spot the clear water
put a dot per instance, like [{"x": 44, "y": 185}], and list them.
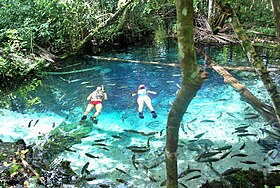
[{"x": 64, "y": 99}]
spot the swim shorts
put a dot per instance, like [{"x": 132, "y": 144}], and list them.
[{"x": 95, "y": 102}]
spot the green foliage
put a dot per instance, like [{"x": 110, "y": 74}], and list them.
[{"x": 21, "y": 96}]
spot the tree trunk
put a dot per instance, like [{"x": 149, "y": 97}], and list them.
[
  {"x": 192, "y": 80},
  {"x": 264, "y": 110},
  {"x": 97, "y": 29},
  {"x": 260, "y": 68},
  {"x": 210, "y": 8},
  {"x": 276, "y": 10}
]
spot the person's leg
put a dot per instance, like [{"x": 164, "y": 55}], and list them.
[
  {"x": 140, "y": 102},
  {"x": 148, "y": 102},
  {"x": 88, "y": 109},
  {"x": 98, "y": 108}
]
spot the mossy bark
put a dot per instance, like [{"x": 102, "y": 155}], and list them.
[
  {"x": 255, "y": 61},
  {"x": 276, "y": 10},
  {"x": 191, "y": 83}
]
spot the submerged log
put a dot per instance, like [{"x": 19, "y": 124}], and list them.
[{"x": 265, "y": 110}]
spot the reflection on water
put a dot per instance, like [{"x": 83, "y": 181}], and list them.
[{"x": 211, "y": 118}]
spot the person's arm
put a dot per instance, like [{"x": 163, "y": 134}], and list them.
[
  {"x": 152, "y": 92},
  {"x": 105, "y": 97},
  {"x": 89, "y": 97},
  {"x": 134, "y": 93}
]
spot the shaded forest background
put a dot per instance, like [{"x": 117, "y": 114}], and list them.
[{"x": 36, "y": 33}]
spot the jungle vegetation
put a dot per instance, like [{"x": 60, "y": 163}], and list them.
[{"x": 36, "y": 33}]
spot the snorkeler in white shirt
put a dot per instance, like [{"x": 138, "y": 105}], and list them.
[{"x": 144, "y": 98}]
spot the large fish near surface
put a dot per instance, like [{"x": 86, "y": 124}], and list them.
[
  {"x": 187, "y": 171},
  {"x": 242, "y": 147},
  {"x": 239, "y": 155},
  {"x": 122, "y": 171},
  {"x": 225, "y": 155},
  {"x": 199, "y": 135},
  {"x": 224, "y": 148},
  {"x": 84, "y": 169},
  {"x": 230, "y": 171},
  {"x": 193, "y": 177},
  {"x": 248, "y": 162},
  {"x": 206, "y": 154},
  {"x": 133, "y": 159}
]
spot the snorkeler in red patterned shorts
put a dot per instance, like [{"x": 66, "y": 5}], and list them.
[{"x": 95, "y": 98}]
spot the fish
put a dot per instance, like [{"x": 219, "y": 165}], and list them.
[
  {"x": 252, "y": 116},
  {"x": 183, "y": 185},
  {"x": 91, "y": 156},
  {"x": 242, "y": 147},
  {"x": 84, "y": 168},
  {"x": 29, "y": 124},
  {"x": 246, "y": 108},
  {"x": 133, "y": 159},
  {"x": 151, "y": 177},
  {"x": 183, "y": 128},
  {"x": 242, "y": 127},
  {"x": 193, "y": 177},
  {"x": 221, "y": 113},
  {"x": 105, "y": 148},
  {"x": 207, "y": 121},
  {"x": 140, "y": 150},
  {"x": 224, "y": 148},
  {"x": 199, "y": 135},
  {"x": 231, "y": 114},
  {"x": 122, "y": 171},
  {"x": 240, "y": 131},
  {"x": 98, "y": 144},
  {"x": 136, "y": 147},
  {"x": 149, "y": 134},
  {"x": 239, "y": 155},
  {"x": 208, "y": 160},
  {"x": 275, "y": 164},
  {"x": 121, "y": 181},
  {"x": 246, "y": 134},
  {"x": 100, "y": 140},
  {"x": 160, "y": 133},
  {"x": 225, "y": 155},
  {"x": 156, "y": 164},
  {"x": 123, "y": 118},
  {"x": 116, "y": 136},
  {"x": 36, "y": 122},
  {"x": 104, "y": 185},
  {"x": 68, "y": 149},
  {"x": 89, "y": 178},
  {"x": 187, "y": 171},
  {"x": 133, "y": 131},
  {"x": 206, "y": 154},
  {"x": 192, "y": 120},
  {"x": 248, "y": 162},
  {"x": 189, "y": 128},
  {"x": 230, "y": 171}
]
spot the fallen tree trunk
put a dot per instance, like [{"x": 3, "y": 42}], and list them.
[
  {"x": 265, "y": 110},
  {"x": 259, "y": 66}
]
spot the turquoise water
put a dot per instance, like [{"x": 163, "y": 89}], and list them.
[{"x": 216, "y": 111}]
